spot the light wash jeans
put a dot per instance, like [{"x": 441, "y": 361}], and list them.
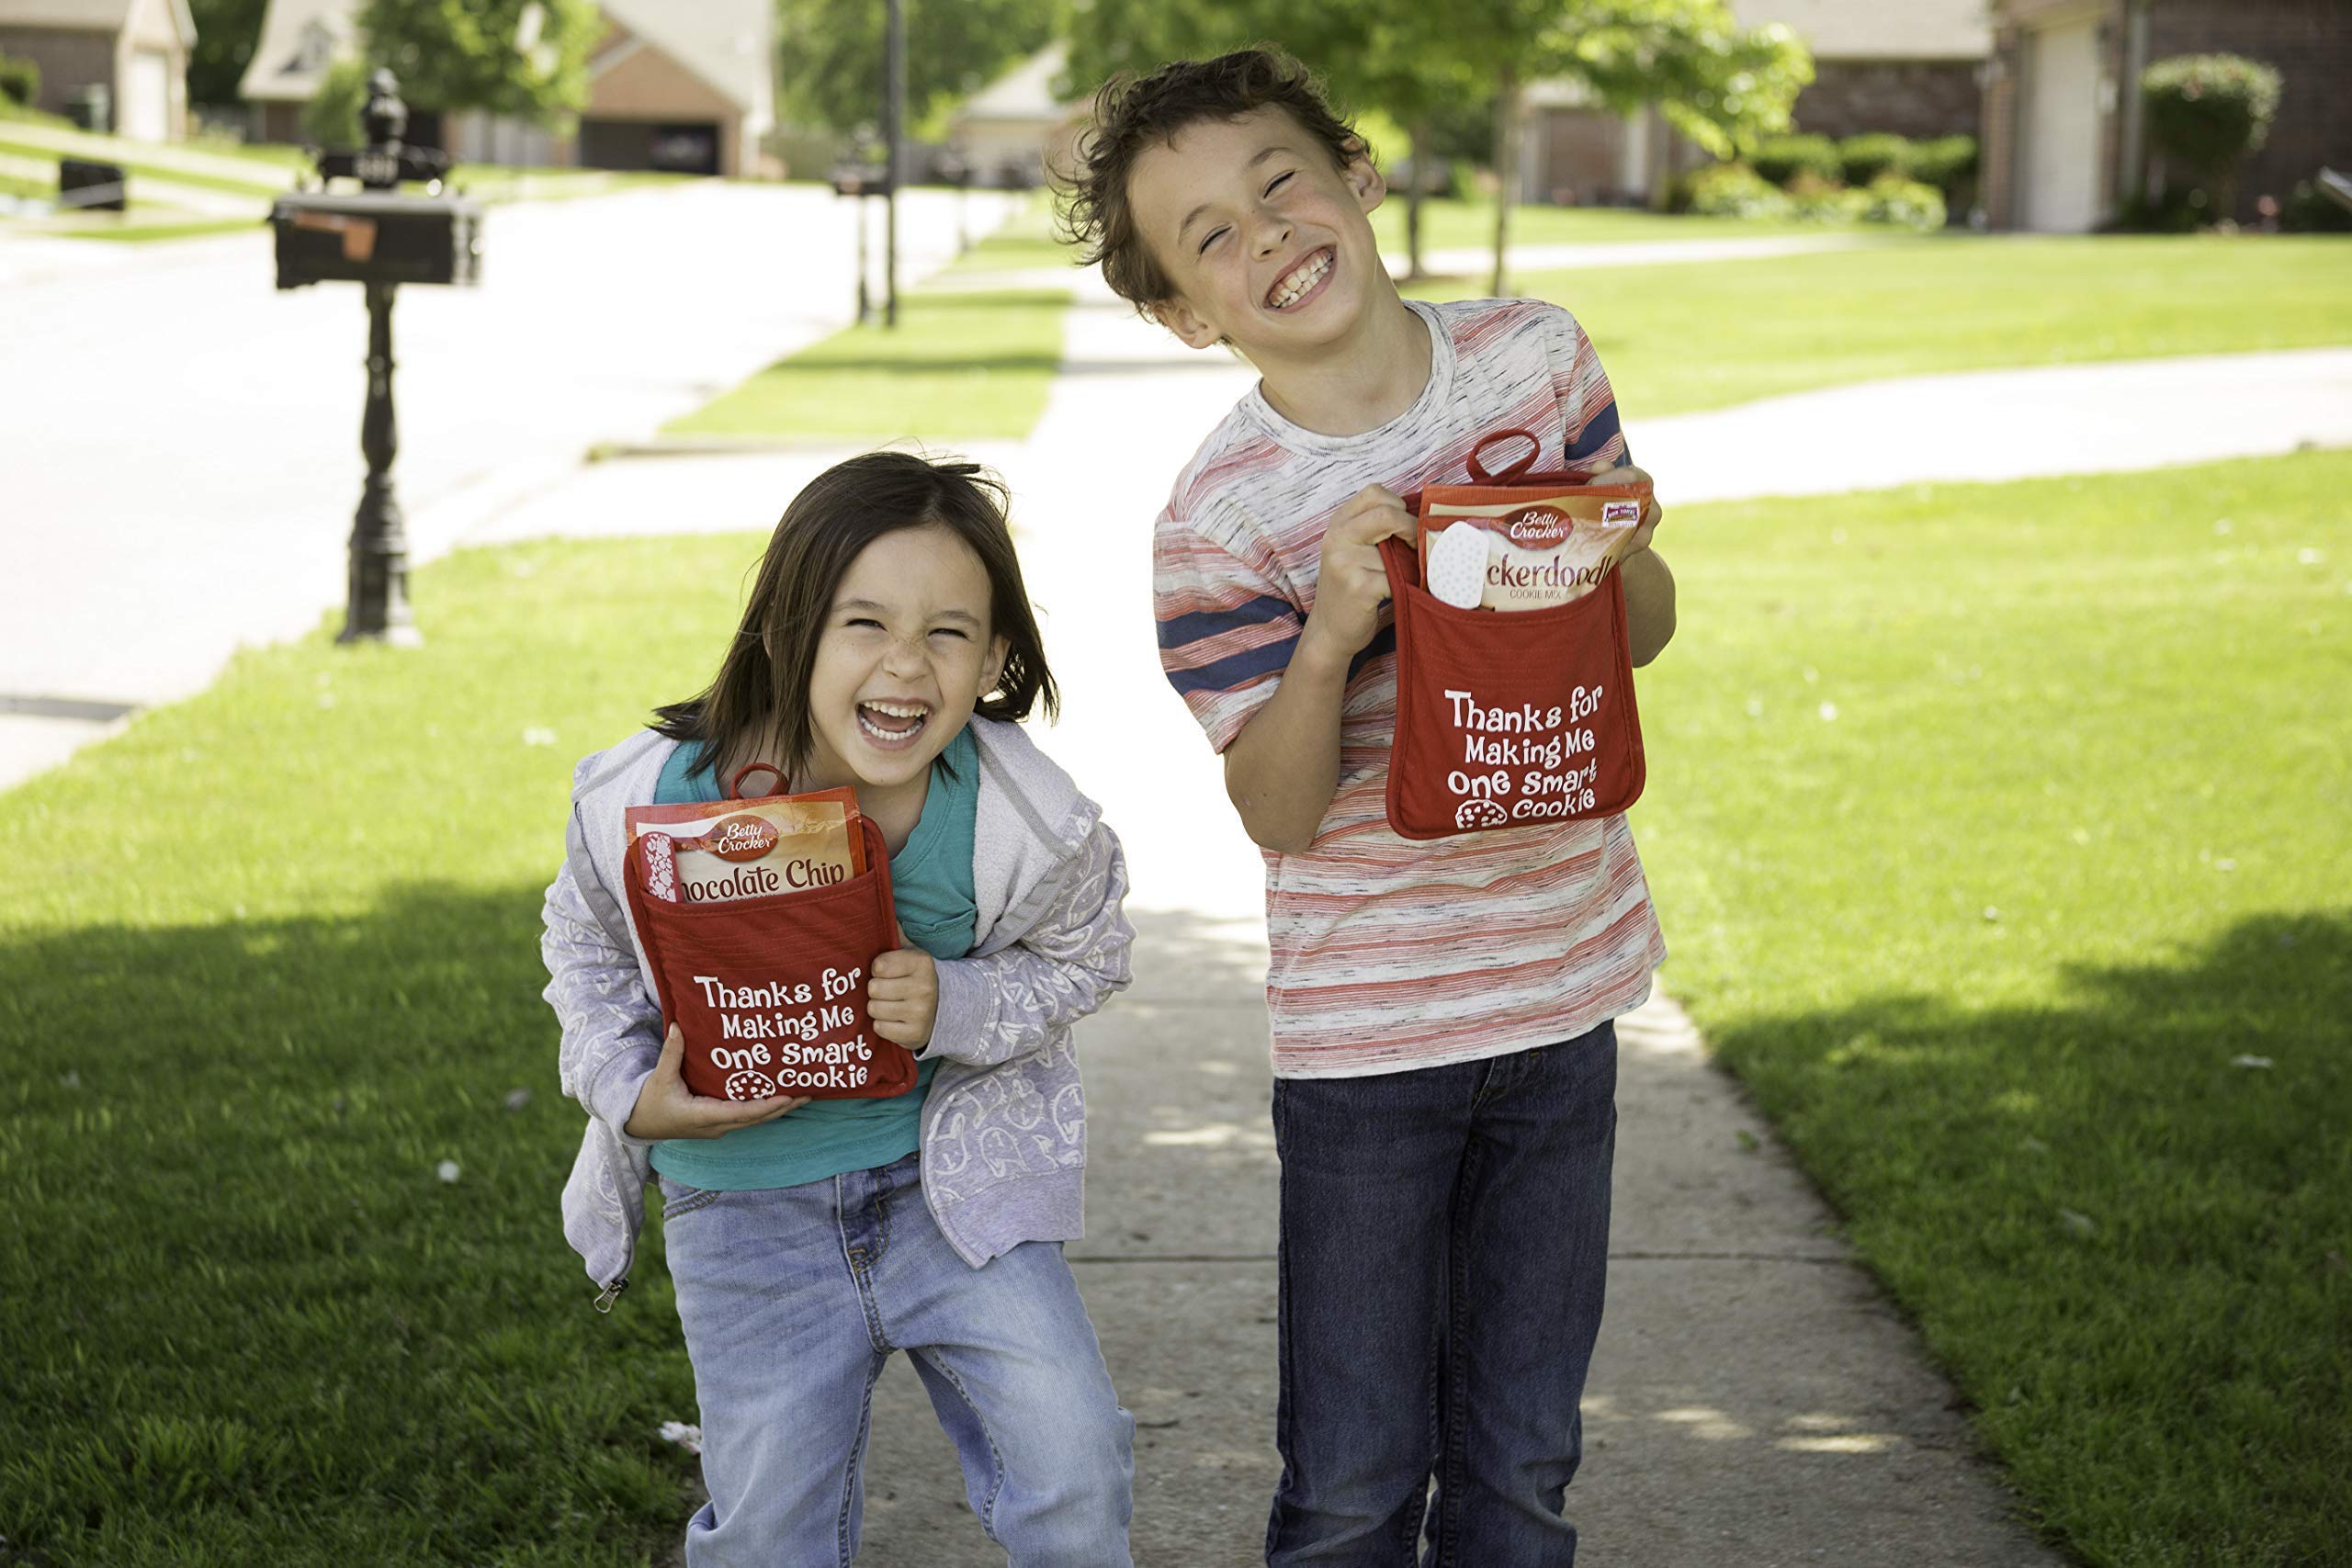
[{"x": 791, "y": 1300}]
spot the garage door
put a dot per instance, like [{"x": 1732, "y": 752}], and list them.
[
  {"x": 2061, "y": 127},
  {"x": 680, "y": 148},
  {"x": 147, "y": 98}
]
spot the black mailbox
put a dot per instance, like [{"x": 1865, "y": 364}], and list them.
[
  {"x": 90, "y": 184},
  {"x": 376, "y": 238}
]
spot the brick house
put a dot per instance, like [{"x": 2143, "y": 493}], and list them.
[
  {"x": 2065, "y": 140},
  {"x": 1907, "y": 66},
  {"x": 688, "y": 88},
  {"x": 136, "y": 49}
]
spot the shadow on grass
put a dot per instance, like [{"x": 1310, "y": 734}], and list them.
[
  {"x": 248, "y": 1319},
  {"x": 2124, "y": 1221}
]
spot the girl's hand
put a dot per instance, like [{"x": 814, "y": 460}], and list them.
[
  {"x": 666, "y": 1107},
  {"x": 902, "y": 996}
]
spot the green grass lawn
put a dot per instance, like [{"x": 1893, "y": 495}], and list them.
[
  {"x": 1708, "y": 333},
  {"x": 273, "y": 960},
  {"x": 1448, "y": 224},
  {"x": 1989, "y": 826},
  {"x": 963, "y": 362},
  {"x": 139, "y": 171}
]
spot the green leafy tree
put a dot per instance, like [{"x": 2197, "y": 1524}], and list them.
[
  {"x": 1380, "y": 61},
  {"x": 832, "y": 53},
  {"x": 1719, "y": 83},
  {"x": 526, "y": 58},
  {"x": 226, "y": 32}
]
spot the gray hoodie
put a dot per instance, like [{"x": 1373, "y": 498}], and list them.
[{"x": 1004, "y": 1123}]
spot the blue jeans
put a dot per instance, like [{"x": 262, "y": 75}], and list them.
[
  {"x": 791, "y": 1300},
  {"x": 1444, "y": 1239}
]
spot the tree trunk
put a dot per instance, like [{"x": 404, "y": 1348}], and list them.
[
  {"x": 1418, "y": 184},
  {"x": 1506, "y": 173}
]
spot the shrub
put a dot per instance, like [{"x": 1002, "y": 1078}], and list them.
[
  {"x": 2209, "y": 110},
  {"x": 1780, "y": 159},
  {"x": 1893, "y": 199},
  {"x": 1863, "y": 159},
  {"x": 1946, "y": 163},
  {"x": 1734, "y": 190},
  {"x": 1825, "y": 201},
  {"x": 19, "y": 81}
]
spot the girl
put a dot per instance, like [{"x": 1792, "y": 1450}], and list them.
[{"x": 887, "y": 646}]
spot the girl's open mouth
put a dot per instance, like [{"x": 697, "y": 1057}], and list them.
[
  {"x": 1303, "y": 282},
  {"x": 892, "y": 726}
]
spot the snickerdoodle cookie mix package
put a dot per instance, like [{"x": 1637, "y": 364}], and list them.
[{"x": 1514, "y": 673}]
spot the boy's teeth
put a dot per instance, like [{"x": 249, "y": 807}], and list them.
[{"x": 1301, "y": 279}]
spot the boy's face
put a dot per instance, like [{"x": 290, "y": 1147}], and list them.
[{"x": 1264, "y": 239}]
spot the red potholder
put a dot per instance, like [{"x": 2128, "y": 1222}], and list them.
[
  {"x": 1509, "y": 719},
  {"x": 769, "y": 993}
]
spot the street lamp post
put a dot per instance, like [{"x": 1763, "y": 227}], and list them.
[{"x": 894, "y": 99}]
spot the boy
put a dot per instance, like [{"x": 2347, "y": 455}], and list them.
[{"x": 1446, "y": 1067}]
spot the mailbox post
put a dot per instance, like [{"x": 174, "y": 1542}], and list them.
[{"x": 378, "y": 239}]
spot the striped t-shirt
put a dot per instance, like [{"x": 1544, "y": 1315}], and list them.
[{"x": 1389, "y": 953}]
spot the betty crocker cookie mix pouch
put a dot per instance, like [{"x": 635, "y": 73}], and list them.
[{"x": 1514, "y": 674}]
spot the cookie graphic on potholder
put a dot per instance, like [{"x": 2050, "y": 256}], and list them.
[
  {"x": 1456, "y": 569},
  {"x": 661, "y": 867},
  {"x": 1479, "y": 814},
  {"x": 749, "y": 1085}
]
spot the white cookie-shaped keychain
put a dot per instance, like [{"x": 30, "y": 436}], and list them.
[{"x": 1456, "y": 570}]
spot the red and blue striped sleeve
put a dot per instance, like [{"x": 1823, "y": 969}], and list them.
[
  {"x": 1593, "y": 439},
  {"x": 1226, "y": 629}
]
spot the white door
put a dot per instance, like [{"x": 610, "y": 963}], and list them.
[
  {"x": 146, "y": 114},
  {"x": 2061, "y": 127}
]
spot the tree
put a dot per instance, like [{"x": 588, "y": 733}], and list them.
[
  {"x": 524, "y": 57},
  {"x": 226, "y": 32},
  {"x": 832, "y": 56},
  {"x": 1376, "y": 57},
  {"x": 2207, "y": 112},
  {"x": 1717, "y": 82}
]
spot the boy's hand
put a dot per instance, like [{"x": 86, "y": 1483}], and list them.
[
  {"x": 1353, "y": 584},
  {"x": 902, "y": 996},
  {"x": 666, "y": 1107},
  {"x": 1626, "y": 474}
]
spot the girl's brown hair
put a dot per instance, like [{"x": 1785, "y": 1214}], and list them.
[
  {"x": 761, "y": 694},
  {"x": 1133, "y": 114}
]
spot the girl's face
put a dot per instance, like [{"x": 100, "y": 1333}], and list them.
[{"x": 905, "y": 653}]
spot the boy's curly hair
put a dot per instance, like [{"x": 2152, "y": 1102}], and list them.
[{"x": 1132, "y": 113}]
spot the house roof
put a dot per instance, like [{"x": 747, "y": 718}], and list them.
[
  {"x": 729, "y": 43},
  {"x": 300, "y": 39},
  {"x": 110, "y": 16},
  {"x": 1025, "y": 93},
  {"x": 1880, "y": 29},
  {"x": 726, "y": 43}
]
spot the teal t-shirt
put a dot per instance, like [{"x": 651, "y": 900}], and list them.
[{"x": 931, "y": 882}]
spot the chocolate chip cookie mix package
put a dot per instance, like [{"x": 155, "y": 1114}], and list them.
[{"x": 761, "y": 920}]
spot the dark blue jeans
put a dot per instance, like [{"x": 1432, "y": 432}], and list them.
[{"x": 1445, "y": 1241}]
